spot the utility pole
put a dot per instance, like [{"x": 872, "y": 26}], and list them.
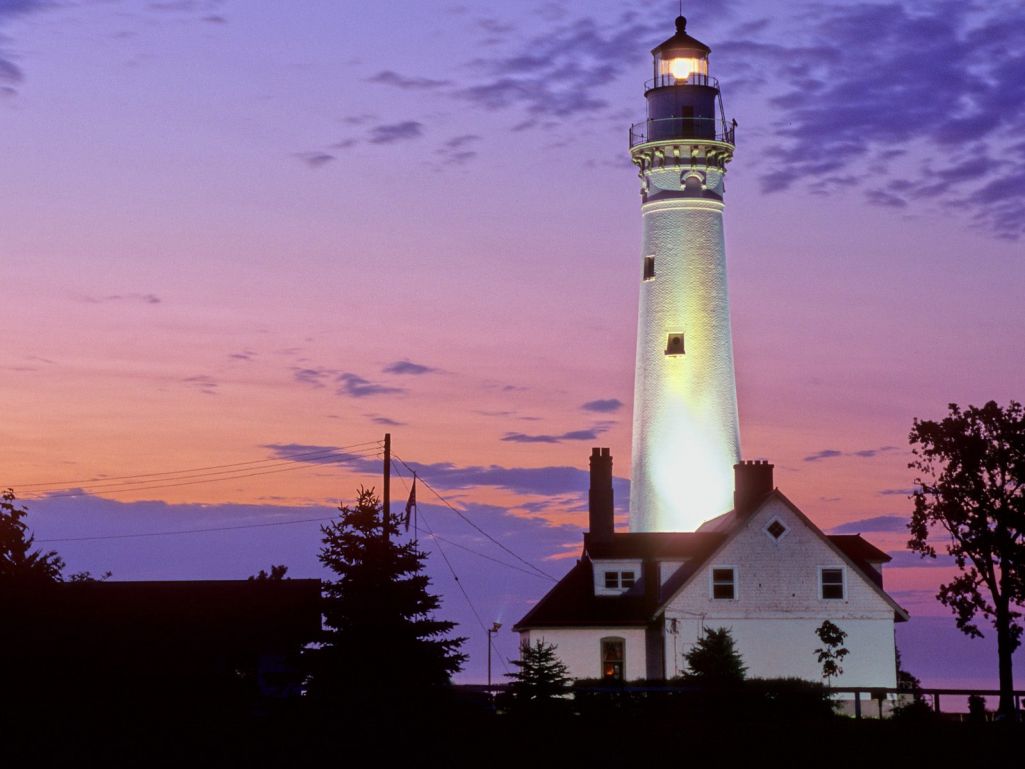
[
  {"x": 386, "y": 512},
  {"x": 495, "y": 627}
]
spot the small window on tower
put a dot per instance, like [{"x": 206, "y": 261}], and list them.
[
  {"x": 649, "y": 268},
  {"x": 675, "y": 345}
]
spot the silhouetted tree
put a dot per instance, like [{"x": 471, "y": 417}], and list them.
[
  {"x": 19, "y": 562},
  {"x": 276, "y": 574},
  {"x": 87, "y": 576},
  {"x": 382, "y": 639},
  {"x": 970, "y": 485},
  {"x": 714, "y": 659},
  {"x": 541, "y": 676},
  {"x": 832, "y": 651}
]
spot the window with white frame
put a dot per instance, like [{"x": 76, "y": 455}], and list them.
[
  {"x": 613, "y": 658},
  {"x": 615, "y": 580},
  {"x": 832, "y": 583},
  {"x": 724, "y": 583}
]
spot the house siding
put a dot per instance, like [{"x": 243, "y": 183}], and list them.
[
  {"x": 580, "y": 648},
  {"x": 778, "y": 606}
]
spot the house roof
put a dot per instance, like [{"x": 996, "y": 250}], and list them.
[
  {"x": 650, "y": 544},
  {"x": 572, "y": 602}
]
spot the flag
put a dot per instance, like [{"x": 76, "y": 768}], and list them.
[{"x": 410, "y": 503}]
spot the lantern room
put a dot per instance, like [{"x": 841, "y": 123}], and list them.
[
  {"x": 681, "y": 59},
  {"x": 684, "y": 101}
]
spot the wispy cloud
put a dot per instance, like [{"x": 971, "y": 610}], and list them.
[
  {"x": 407, "y": 367},
  {"x": 552, "y": 481},
  {"x": 880, "y": 523},
  {"x": 389, "y": 133},
  {"x": 114, "y": 298},
  {"x": 905, "y": 559},
  {"x": 603, "y": 406},
  {"x": 457, "y": 150},
  {"x": 588, "y": 434},
  {"x": 388, "y": 77},
  {"x": 315, "y": 158},
  {"x": 896, "y": 492},
  {"x": 314, "y": 377},
  {"x": 355, "y": 386},
  {"x": 203, "y": 383},
  {"x": 860, "y": 454},
  {"x": 385, "y": 421}
]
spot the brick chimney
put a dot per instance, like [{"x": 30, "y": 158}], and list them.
[
  {"x": 751, "y": 482},
  {"x": 599, "y": 501}
]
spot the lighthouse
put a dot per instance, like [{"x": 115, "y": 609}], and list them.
[{"x": 686, "y": 437}]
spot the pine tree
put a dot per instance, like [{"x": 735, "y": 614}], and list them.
[
  {"x": 541, "y": 675},
  {"x": 19, "y": 563},
  {"x": 381, "y": 638},
  {"x": 714, "y": 659}
]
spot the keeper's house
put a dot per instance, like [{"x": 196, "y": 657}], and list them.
[{"x": 636, "y": 602}]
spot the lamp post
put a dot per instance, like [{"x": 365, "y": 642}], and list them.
[{"x": 495, "y": 627}]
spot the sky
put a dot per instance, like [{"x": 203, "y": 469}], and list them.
[{"x": 255, "y": 236}]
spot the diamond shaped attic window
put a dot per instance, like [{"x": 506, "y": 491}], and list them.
[{"x": 776, "y": 529}]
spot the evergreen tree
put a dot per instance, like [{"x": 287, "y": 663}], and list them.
[
  {"x": 19, "y": 563},
  {"x": 541, "y": 675},
  {"x": 714, "y": 659},
  {"x": 381, "y": 639}
]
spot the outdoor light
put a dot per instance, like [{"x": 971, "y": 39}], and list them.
[
  {"x": 681, "y": 68},
  {"x": 495, "y": 627}
]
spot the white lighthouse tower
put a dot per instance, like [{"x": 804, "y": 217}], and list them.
[{"x": 686, "y": 438}]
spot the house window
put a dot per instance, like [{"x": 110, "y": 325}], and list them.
[
  {"x": 649, "y": 268},
  {"x": 619, "y": 579},
  {"x": 724, "y": 583},
  {"x": 776, "y": 529},
  {"x": 613, "y": 654},
  {"x": 832, "y": 584}
]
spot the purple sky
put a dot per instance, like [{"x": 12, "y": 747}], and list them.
[{"x": 235, "y": 231}]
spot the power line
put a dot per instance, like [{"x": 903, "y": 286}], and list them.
[
  {"x": 459, "y": 583},
  {"x": 202, "y": 479},
  {"x": 306, "y": 456},
  {"x": 462, "y": 515},
  {"x": 479, "y": 554},
  {"x": 177, "y": 532},
  {"x": 461, "y": 546}
]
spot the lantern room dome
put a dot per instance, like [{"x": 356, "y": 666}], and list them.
[{"x": 679, "y": 42}]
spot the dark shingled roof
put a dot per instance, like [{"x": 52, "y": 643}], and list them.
[
  {"x": 662, "y": 545},
  {"x": 862, "y": 553},
  {"x": 572, "y": 603}
]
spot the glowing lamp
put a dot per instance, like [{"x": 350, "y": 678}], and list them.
[{"x": 680, "y": 58}]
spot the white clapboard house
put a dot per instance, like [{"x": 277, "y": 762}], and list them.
[{"x": 634, "y": 603}]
